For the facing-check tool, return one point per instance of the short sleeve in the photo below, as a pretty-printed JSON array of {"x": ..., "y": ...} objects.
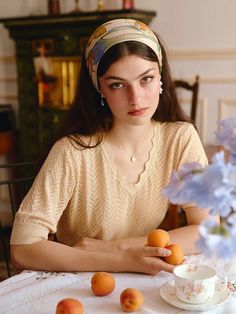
[
  {"x": 190, "y": 147},
  {"x": 44, "y": 204}
]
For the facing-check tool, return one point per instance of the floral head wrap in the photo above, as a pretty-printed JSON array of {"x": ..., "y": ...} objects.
[{"x": 114, "y": 32}]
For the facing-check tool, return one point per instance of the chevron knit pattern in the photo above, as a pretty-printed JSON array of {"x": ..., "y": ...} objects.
[{"x": 80, "y": 193}]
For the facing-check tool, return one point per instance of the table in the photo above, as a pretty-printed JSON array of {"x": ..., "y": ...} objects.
[{"x": 39, "y": 292}]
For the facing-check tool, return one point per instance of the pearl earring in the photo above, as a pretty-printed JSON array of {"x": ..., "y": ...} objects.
[
  {"x": 161, "y": 89},
  {"x": 102, "y": 100}
]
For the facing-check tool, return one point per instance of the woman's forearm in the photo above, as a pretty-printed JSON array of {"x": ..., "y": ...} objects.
[
  {"x": 53, "y": 256},
  {"x": 186, "y": 237},
  {"x": 98, "y": 255},
  {"x": 111, "y": 246}
]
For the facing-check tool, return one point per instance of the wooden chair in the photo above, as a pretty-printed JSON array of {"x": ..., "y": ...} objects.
[
  {"x": 175, "y": 216},
  {"x": 193, "y": 88},
  {"x": 15, "y": 181}
]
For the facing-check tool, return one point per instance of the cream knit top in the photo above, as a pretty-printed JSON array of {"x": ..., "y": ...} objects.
[{"x": 80, "y": 193}]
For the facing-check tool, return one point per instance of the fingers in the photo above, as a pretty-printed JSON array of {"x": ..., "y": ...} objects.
[
  {"x": 159, "y": 264},
  {"x": 156, "y": 251},
  {"x": 167, "y": 267}
]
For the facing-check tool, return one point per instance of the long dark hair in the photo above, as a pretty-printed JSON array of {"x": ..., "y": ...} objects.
[{"x": 87, "y": 117}]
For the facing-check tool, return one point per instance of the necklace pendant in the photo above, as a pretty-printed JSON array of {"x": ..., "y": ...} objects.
[{"x": 132, "y": 159}]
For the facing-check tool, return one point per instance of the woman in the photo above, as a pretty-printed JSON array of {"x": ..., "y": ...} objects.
[{"x": 100, "y": 188}]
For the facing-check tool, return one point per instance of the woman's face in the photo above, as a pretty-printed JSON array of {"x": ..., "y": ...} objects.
[{"x": 131, "y": 87}]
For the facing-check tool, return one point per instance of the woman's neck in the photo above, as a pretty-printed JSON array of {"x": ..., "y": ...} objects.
[
  {"x": 130, "y": 148},
  {"x": 131, "y": 137}
]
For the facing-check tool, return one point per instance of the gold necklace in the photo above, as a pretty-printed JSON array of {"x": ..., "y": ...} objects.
[{"x": 132, "y": 158}]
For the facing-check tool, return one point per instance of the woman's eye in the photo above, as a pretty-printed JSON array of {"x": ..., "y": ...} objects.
[
  {"x": 147, "y": 79},
  {"x": 116, "y": 85}
]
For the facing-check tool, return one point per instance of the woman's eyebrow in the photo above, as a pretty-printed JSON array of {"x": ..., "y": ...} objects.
[{"x": 112, "y": 77}]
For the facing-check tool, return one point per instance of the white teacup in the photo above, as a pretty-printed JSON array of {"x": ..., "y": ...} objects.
[{"x": 197, "y": 284}]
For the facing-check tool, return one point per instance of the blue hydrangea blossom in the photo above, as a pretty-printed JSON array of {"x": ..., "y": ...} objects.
[{"x": 212, "y": 187}]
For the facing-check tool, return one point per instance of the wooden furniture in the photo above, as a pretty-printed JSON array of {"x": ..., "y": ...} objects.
[
  {"x": 14, "y": 185},
  {"x": 51, "y": 45},
  {"x": 193, "y": 88},
  {"x": 176, "y": 217},
  {"x": 7, "y": 131}
]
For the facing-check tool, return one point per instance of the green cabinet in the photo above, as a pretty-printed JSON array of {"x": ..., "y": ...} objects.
[{"x": 53, "y": 44}]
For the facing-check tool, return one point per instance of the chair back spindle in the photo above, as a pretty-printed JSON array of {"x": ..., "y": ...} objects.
[
  {"x": 194, "y": 89},
  {"x": 15, "y": 181}
]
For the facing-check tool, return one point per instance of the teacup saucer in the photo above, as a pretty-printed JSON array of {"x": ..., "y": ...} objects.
[{"x": 167, "y": 292}]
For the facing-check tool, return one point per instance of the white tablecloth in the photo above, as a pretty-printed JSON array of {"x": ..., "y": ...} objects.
[{"x": 39, "y": 292}]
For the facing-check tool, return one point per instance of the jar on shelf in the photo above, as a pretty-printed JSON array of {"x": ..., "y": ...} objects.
[
  {"x": 128, "y": 4},
  {"x": 100, "y": 5},
  {"x": 53, "y": 7}
]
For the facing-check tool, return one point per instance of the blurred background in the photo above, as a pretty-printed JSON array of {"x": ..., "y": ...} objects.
[{"x": 199, "y": 36}]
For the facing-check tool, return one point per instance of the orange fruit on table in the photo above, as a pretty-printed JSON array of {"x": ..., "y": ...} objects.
[
  {"x": 102, "y": 283},
  {"x": 69, "y": 306},
  {"x": 177, "y": 254},
  {"x": 131, "y": 300},
  {"x": 159, "y": 238}
]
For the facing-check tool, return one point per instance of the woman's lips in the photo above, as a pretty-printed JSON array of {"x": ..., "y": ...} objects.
[{"x": 137, "y": 112}]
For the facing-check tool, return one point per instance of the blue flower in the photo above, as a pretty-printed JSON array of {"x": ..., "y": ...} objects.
[
  {"x": 216, "y": 241},
  {"x": 226, "y": 136},
  {"x": 212, "y": 187},
  {"x": 180, "y": 190}
]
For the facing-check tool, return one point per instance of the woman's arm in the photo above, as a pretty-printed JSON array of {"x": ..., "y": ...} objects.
[
  {"x": 187, "y": 235},
  {"x": 115, "y": 256},
  {"x": 53, "y": 256}
]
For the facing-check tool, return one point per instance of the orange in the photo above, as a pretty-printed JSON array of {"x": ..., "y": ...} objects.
[
  {"x": 177, "y": 254},
  {"x": 131, "y": 300},
  {"x": 69, "y": 306},
  {"x": 102, "y": 283},
  {"x": 158, "y": 237}
]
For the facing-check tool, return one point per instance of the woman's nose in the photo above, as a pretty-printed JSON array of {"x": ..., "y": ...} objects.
[{"x": 134, "y": 94}]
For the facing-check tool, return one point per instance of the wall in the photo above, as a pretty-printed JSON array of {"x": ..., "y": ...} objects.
[{"x": 199, "y": 36}]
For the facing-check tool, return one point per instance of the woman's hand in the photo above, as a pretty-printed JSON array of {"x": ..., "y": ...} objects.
[
  {"x": 133, "y": 258},
  {"x": 91, "y": 255},
  {"x": 146, "y": 259}
]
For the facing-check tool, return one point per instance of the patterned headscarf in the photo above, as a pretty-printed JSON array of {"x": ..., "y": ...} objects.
[{"x": 114, "y": 32}]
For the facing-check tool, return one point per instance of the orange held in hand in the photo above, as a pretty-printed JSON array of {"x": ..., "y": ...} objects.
[
  {"x": 177, "y": 254},
  {"x": 102, "y": 283},
  {"x": 69, "y": 306},
  {"x": 159, "y": 238},
  {"x": 131, "y": 300}
]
